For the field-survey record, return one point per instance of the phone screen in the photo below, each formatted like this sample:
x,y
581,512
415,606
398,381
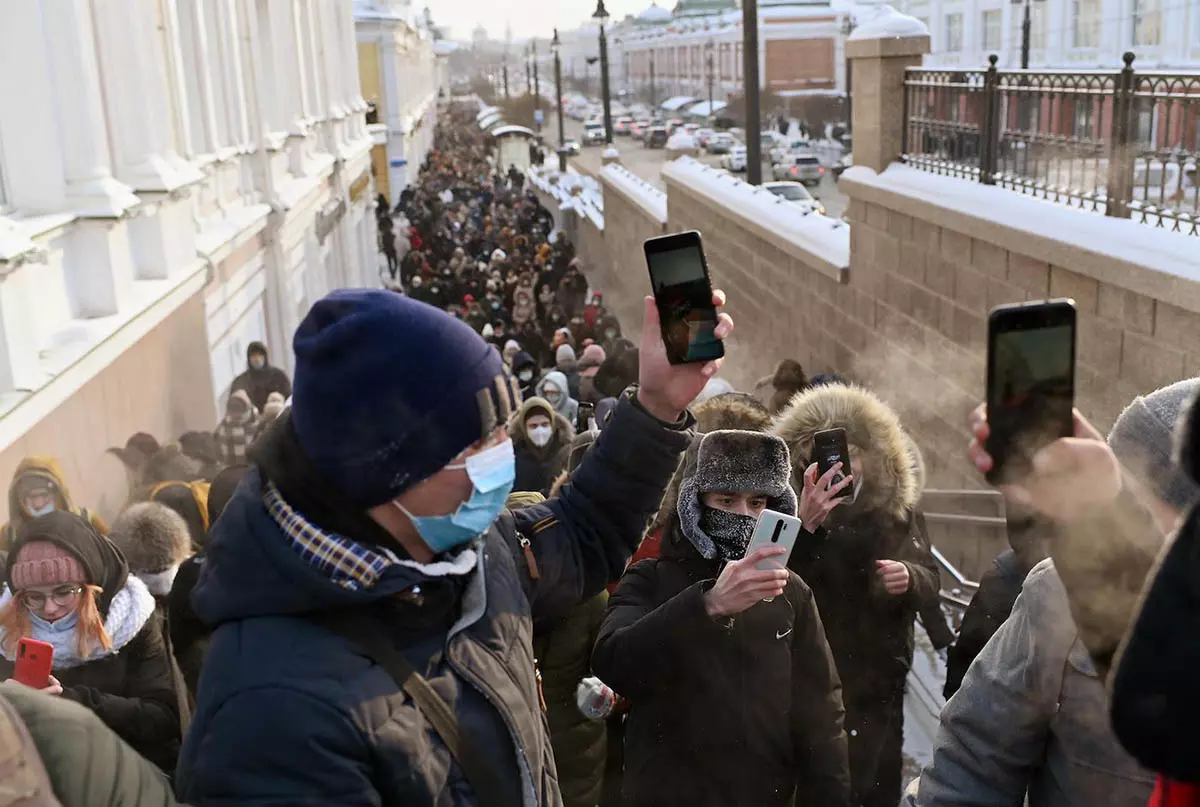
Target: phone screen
x,y
684,297
1031,390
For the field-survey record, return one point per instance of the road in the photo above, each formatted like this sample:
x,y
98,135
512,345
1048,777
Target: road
x,y
648,163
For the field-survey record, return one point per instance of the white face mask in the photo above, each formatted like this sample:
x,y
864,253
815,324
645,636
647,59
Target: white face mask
x,y
540,435
525,375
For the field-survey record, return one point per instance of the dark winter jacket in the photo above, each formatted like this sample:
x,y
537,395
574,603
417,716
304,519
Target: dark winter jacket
x,y
521,362
288,713
991,605
737,712
538,467
259,384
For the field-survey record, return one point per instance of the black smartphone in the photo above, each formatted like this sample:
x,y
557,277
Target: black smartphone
x,y
1030,382
830,448
683,293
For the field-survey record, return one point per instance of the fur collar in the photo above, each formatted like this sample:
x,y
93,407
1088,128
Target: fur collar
x,y
892,470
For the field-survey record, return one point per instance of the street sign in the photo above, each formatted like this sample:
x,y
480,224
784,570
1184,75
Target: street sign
x,y
539,117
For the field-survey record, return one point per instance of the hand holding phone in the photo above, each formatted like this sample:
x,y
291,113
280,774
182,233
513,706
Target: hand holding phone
x,y
742,584
778,530
683,294
821,494
830,449
34,661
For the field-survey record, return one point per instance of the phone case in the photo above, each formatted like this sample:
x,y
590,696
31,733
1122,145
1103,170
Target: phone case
x,y
825,444
34,662
775,529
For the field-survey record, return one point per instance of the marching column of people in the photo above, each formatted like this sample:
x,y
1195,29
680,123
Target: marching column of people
x,y
492,553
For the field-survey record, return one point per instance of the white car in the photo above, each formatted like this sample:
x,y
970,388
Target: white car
x,y
593,134
734,159
797,194
782,151
720,143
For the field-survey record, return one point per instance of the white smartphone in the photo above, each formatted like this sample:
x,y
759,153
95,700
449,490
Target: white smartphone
x,y
775,529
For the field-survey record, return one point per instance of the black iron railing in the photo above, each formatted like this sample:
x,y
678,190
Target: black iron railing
x,y
1122,143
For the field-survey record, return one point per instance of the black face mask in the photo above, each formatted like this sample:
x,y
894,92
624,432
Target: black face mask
x,y
730,532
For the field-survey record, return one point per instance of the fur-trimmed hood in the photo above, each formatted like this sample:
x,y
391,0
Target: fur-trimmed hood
x,y
730,411
563,430
153,537
892,472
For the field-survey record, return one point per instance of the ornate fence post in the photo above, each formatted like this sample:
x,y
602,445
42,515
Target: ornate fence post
x,y
1121,149
989,128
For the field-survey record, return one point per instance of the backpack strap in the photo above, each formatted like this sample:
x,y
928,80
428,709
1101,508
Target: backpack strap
x,y
367,639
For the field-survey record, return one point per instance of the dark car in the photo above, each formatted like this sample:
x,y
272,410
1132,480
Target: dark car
x,y
656,137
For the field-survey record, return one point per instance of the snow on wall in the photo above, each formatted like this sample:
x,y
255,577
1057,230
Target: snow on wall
x,y
638,191
1087,238
887,22
571,191
825,241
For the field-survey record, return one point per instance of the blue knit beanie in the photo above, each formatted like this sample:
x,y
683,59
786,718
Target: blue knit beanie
x,y
389,390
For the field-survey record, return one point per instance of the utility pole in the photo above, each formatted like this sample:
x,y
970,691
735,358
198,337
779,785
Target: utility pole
x,y
601,14
528,73
555,45
653,92
505,73
709,53
537,85
750,91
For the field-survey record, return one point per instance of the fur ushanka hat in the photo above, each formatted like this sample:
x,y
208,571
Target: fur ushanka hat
x,y
730,461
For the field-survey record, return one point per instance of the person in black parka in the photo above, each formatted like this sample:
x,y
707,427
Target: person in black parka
x,y
261,378
70,586
731,705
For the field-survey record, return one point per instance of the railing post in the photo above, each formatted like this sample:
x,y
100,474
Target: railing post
x,y
989,128
1121,150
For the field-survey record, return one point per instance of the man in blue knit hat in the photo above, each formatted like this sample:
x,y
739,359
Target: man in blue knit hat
x,y
373,602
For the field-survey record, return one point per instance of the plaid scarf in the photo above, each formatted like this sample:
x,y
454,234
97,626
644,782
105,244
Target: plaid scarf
x,y
347,563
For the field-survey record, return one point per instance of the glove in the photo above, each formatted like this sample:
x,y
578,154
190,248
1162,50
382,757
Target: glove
x,y
594,699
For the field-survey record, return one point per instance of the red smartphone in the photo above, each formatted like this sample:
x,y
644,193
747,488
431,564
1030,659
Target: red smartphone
x,y
34,660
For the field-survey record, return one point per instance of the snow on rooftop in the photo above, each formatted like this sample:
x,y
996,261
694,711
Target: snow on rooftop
x,y
637,190
825,240
885,23
1128,241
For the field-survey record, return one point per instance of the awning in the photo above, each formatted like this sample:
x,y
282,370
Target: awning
x,y
674,103
491,120
701,109
483,113
508,130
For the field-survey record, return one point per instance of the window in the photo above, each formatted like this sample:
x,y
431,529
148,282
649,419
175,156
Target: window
x,y
992,22
1037,27
954,33
1087,23
1147,23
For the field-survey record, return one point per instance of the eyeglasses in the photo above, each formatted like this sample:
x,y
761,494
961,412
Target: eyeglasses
x,y
63,595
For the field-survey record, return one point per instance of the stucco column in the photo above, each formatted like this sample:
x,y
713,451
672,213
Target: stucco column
x,y
880,50
136,98
70,44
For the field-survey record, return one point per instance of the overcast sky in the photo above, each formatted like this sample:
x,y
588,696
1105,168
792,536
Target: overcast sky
x,y
528,17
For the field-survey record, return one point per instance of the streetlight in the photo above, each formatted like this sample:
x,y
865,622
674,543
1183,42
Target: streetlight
x,y
555,46
601,14
528,72
653,91
708,51
1026,31
505,69
537,86
848,26
750,91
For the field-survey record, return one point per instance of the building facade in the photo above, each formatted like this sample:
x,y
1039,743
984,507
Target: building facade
x,y
398,66
178,178
1074,34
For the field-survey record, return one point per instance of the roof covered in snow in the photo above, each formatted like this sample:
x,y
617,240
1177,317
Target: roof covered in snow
x,y
702,109
675,102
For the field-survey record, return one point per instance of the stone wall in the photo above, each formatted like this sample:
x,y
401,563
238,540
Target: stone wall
x,y
633,212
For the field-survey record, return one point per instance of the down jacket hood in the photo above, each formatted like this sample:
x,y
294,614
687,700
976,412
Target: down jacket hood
x,y
563,431
44,468
892,475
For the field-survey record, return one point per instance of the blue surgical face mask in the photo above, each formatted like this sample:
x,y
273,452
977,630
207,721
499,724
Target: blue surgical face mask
x,y
44,510
492,473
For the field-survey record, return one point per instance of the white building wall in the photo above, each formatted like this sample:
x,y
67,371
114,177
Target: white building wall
x,y
153,150
1054,43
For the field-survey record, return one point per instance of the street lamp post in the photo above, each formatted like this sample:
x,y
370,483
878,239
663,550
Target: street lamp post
x,y
537,86
505,73
653,90
601,15
528,72
555,46
708,51
848,26
750,91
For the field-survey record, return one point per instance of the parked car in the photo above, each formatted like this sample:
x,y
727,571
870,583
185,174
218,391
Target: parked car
x,y
804,168
734,159
719,143
593,134
844,162
656,137
571,146
691,128
797,194
782,151
621,125
703,136
673,124
637,129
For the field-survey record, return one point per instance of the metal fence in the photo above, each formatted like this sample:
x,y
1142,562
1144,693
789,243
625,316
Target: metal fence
x,y
1122,143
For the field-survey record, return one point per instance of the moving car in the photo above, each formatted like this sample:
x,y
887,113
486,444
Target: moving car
x,y
703,136
621,125
571,146
734,159
804,168
637,129
720,143
593,134
782,151
844,162
656,137
797,194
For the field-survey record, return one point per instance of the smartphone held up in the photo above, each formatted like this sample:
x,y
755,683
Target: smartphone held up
x,y
34,661
683,295
1030,383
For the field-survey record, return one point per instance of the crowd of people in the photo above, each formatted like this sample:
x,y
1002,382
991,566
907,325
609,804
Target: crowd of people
x,y
492,553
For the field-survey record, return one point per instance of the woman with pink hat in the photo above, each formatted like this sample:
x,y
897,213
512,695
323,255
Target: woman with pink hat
x,y
69,586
